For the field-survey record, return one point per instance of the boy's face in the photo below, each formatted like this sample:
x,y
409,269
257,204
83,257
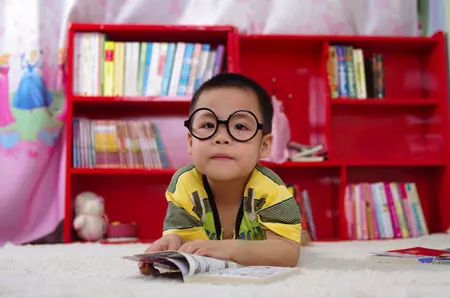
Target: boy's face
x,y
221,157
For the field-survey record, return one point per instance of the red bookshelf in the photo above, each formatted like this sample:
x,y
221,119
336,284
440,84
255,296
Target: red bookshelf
x,y
400,138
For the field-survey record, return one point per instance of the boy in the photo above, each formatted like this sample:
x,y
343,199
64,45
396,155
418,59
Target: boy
x,y
226,205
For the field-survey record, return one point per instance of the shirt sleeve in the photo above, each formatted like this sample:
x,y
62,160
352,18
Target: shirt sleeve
x,y
180,218
282,214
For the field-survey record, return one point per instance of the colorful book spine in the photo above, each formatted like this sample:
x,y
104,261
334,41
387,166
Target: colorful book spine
x,y
108,87
349,215
332,68
399,209
407,207
148,57
342,75
309,214
413,195
394,217
372,210
185,70
219,59
168,69
350,72
142,66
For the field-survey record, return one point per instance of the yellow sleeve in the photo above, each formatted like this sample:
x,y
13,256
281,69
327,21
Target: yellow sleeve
x,y
281,214
180,218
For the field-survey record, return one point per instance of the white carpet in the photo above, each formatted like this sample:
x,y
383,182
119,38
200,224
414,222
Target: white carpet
x,y
341,269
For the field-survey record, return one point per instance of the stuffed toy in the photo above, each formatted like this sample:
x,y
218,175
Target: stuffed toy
x,y
90,220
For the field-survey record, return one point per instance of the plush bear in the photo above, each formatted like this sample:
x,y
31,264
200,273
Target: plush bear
x,y
90,220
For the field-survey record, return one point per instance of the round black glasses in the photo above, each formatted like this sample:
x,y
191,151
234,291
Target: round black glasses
x,y
242,125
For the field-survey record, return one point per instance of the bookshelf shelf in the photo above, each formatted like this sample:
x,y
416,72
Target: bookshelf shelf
x,y
132,105
400,164
402,137
130,99
118,171
386,102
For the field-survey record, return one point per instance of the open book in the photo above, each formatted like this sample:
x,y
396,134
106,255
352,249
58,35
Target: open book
x,y
198,269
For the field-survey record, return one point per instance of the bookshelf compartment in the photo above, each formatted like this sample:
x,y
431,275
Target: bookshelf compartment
x,y
429,181
111,60
170,151
128,198
322,185
292,69
410,67
387,135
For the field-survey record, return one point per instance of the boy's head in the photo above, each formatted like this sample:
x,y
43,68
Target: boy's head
x,y
228,152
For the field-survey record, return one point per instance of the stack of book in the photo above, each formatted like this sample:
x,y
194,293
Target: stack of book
x,y
350,75
384,210
111,68
117,144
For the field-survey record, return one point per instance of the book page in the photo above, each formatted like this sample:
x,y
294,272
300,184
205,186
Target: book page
x,y
252,272
199,264
181,263
150,257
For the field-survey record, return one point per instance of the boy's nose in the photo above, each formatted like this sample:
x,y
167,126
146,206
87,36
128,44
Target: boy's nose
x,y
222,136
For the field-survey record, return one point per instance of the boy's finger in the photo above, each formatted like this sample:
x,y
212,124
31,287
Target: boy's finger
x,y
173,245
154,247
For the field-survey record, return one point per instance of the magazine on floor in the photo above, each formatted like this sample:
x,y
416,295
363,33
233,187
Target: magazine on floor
x,y
198,269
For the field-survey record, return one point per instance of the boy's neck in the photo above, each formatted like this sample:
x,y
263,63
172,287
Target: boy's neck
x,y
228,192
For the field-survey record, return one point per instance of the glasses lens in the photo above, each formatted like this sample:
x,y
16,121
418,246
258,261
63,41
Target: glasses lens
x,y
203,124
243,126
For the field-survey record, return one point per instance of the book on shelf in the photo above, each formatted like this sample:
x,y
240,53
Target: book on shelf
x,y
104,67
353,76
129,143
383,211
303,200
307,153
198,269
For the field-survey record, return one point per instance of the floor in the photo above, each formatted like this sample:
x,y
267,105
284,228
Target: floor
x,y
334,269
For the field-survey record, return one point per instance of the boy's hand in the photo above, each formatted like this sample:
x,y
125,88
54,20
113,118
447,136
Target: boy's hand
x,y
168,242
223,249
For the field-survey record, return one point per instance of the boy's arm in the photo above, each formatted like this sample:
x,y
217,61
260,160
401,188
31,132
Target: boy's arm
x,y
274,251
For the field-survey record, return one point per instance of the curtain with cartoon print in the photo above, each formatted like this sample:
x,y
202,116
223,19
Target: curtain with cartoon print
x,y
32,103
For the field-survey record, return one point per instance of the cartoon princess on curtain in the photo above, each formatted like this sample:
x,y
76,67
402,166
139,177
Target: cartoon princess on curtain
x,y
32,92
6,117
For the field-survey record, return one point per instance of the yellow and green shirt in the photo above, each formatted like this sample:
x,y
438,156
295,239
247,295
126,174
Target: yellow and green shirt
x,y
267,204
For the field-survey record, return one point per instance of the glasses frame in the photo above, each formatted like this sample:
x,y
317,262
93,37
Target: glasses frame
x,y
187,124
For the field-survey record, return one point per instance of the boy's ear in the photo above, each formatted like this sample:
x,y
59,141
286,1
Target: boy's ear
x,y
189,143
266,145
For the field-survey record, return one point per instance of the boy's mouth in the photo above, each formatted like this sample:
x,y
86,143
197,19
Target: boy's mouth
x,y
221,157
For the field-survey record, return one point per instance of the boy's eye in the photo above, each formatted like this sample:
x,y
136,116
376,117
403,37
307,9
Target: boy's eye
x,y
207,125
240,126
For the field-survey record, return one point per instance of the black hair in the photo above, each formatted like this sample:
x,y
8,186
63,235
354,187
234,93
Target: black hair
x,y
239,81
